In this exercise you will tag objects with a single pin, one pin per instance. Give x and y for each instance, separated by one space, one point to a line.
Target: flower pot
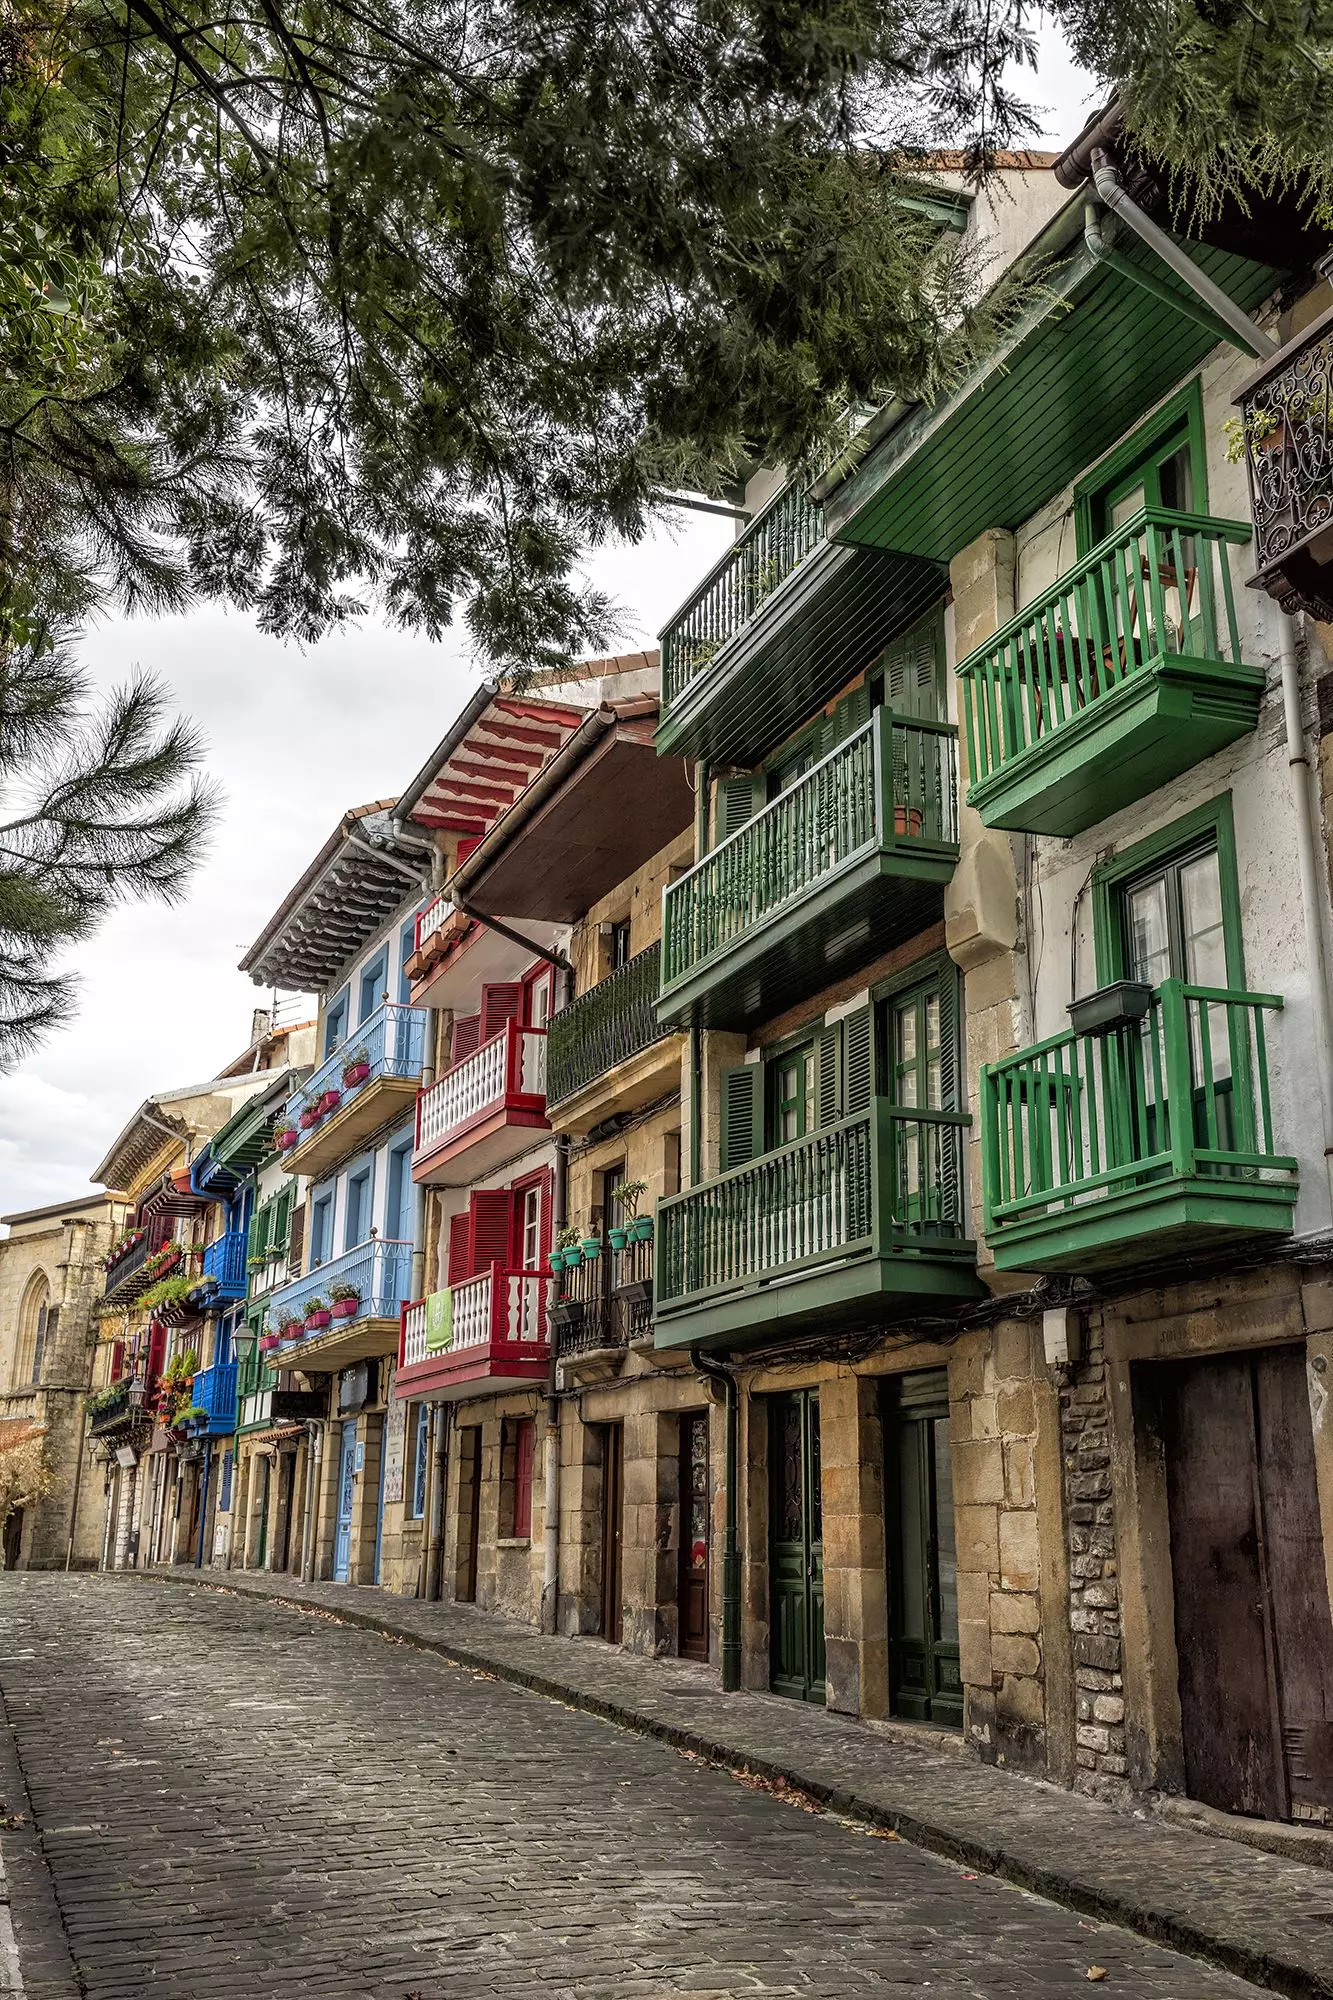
315 1321
330 1101
907 819
267 1342
287 1139
345 1308
641 1229
354 1074
619 1238
309 1117
291 1334
591 1247
556 1262
573 1256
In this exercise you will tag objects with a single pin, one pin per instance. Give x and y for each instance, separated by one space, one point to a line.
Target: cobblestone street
235 1798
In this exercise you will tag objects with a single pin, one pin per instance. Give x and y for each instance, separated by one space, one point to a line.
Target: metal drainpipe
314 1444
1298 765
551 1501
435 1542
203 1502
715 1371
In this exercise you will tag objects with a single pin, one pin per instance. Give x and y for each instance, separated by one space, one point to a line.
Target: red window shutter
491 1216
157 1351
117 1360
465 846
548 1204
466 1036
460 1248
296 1237
498 1005
524 1443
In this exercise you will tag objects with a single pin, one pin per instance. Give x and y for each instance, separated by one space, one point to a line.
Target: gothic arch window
37 1318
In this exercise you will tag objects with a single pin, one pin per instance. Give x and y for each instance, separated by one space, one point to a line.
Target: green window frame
1211 825
1178 425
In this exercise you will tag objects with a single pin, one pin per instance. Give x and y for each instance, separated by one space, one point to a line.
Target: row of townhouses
812 1151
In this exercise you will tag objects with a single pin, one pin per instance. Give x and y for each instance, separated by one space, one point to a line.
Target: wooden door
1253 1632
286 1507
469 1512
696 1502
925 1680
797 1552
342 1540
613 1509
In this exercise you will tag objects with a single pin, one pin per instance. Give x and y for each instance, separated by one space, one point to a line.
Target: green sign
439 1322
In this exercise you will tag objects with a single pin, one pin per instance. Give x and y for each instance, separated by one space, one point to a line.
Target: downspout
551 1465
1109 190
440 1464
1298 766
203 1502
314 1432
1100 244
715 1371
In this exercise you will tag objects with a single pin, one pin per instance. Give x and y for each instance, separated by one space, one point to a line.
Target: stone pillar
650 1546
752 1533
580 1601
326 1497
365 1500
981 901
856 1624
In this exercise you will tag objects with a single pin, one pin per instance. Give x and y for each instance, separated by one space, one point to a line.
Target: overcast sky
294 737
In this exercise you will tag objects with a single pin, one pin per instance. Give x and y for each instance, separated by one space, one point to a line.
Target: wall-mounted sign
395 1438
126 1455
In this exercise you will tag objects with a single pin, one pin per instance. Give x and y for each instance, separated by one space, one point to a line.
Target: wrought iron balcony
379 1271
851 860
604 1303
490 1330
608 1025
482 1112
775 543
848 1226
150 1254
223 1266
1138 1139
1288 444
119 1408
356 1088
1124 674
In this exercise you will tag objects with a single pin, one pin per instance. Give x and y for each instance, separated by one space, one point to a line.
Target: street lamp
243 1340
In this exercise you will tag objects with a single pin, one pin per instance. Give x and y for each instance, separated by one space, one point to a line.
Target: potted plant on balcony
267 1342
285 1137
330 1101
317 1315
310 1116
556 1262
568 1243
628 1196
356 1069
290 1327
345 1301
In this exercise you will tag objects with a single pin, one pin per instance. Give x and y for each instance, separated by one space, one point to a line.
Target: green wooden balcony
1127 672
851 860
1147 1139
858 1222
778 625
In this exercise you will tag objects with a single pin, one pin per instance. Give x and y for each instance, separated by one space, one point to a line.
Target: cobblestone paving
235 1798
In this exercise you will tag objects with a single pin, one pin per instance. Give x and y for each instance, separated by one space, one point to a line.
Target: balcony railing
891 785
126 1275
433 918
883 1180
215 1394
512 1064
1158 587
606 1025
775 543
389 1042
224 1263
1288 442
500 1310
1083 1118
381 1271
607 1301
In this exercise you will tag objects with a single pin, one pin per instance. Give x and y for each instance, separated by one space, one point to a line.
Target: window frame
339 1010
1182 411
1212 824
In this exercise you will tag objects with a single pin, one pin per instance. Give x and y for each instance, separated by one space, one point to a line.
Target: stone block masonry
1094 1576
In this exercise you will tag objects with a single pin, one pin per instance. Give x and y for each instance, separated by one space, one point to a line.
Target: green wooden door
797 1557
924 1678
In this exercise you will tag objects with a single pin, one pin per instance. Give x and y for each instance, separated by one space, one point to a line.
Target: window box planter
330 1102
354 1074
1119 1005
315 1322
309 1117
638 1292
267 1342
287 1138
345 1308
567 1313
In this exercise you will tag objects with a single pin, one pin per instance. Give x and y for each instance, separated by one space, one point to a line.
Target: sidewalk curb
36 1962
1066 1886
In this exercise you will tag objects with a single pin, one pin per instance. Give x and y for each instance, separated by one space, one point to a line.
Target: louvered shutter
736 802
852 712
296 1236
460 1248
858 1062
498 1005
742 1114
261 1223
911 671
466 1037
829 1102
491 1216
282 1221
117 1361
157 1351
951 1083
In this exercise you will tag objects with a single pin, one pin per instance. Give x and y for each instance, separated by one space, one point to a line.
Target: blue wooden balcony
364 1083
215 1395
223 1269
333 1333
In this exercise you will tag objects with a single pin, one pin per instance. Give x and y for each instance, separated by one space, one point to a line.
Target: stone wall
1094 1574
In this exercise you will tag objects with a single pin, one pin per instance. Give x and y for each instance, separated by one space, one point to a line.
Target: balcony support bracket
552 957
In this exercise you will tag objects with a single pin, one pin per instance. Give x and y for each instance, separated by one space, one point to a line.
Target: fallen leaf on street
1095 1972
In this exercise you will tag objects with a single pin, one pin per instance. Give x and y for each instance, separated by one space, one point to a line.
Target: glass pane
946 1561
811 1076
1174 483
1201 921
1149 932
1126 506
905 1018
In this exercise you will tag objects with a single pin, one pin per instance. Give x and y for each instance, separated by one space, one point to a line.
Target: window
35 1316
335 1023
919 1031
407 940
398 1210
530 1228
620 953
356 1223
321 1228
1160 465
372 984
419 1433
793 1088
517 1438
537 999
1169 907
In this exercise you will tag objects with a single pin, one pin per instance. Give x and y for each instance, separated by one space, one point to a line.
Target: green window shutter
830 1073
742 1114
951 1054
736 802
912 671
858 1056
260 1223
282 1220
852 712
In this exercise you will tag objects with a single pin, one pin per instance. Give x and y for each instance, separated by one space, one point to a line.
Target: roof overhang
361 875
603 806
1089 354
495 749
246 1139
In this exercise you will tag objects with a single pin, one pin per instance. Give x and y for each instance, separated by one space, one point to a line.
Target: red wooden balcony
482 1113
489 1332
